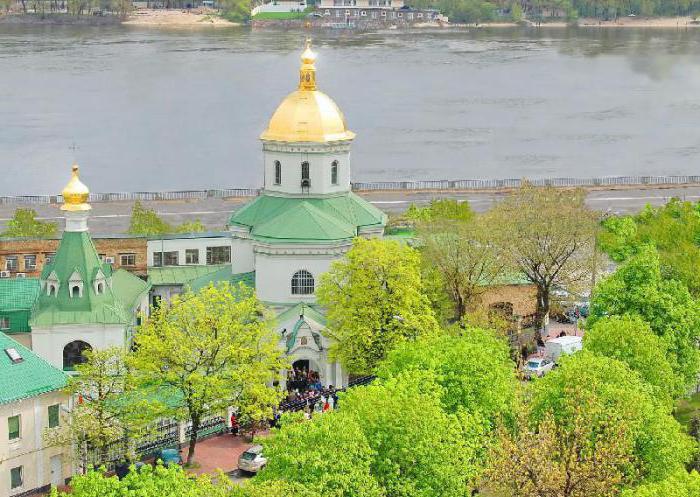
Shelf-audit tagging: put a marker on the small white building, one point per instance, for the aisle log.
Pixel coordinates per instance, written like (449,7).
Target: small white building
(83,303)
(31,402)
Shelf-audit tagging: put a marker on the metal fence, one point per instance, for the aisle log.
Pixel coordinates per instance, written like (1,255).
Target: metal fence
(463,184)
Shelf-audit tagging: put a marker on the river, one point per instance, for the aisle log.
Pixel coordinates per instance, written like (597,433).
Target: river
(148,109)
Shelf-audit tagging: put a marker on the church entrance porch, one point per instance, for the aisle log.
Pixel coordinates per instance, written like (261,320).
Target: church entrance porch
(304,376)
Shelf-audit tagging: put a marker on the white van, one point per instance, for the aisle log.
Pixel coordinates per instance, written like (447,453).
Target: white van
(557,347)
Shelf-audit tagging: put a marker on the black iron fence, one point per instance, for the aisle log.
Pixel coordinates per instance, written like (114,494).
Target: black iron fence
(301,404)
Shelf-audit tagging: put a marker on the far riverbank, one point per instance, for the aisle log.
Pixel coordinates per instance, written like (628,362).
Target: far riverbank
(202,17)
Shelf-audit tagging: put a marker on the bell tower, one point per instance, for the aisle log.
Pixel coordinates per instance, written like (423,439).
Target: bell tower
(306,145)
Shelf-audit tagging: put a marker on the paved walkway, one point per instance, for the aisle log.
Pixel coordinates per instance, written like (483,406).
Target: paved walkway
(219,452)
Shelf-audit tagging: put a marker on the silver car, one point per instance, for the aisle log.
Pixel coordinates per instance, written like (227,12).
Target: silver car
(252,460)
(538,367)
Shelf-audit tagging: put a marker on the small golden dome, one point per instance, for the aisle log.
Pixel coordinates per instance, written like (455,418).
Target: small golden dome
(307,115)
(75,194)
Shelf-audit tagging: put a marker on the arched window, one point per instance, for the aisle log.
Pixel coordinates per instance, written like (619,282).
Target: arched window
(52,289)
(100,289)
(278,173)
(302,283)
(75,291)
(334,173)
(305,174)
(73,354)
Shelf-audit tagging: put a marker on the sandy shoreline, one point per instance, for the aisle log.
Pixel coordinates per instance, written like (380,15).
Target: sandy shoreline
(177,18)
(622,22)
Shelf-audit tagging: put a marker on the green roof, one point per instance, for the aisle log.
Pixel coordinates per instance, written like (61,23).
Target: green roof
(310,310)
(180,275)
(278,219)
(32,376)
(115,305)
(18,294)
(223,274)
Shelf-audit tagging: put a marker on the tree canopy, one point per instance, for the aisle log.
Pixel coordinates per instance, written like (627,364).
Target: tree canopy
(461,256)
(679,484)
(674,229)
(629,339)
(637,287)
(148,481)
(328,455)
(611,393)
(474,370)
(212,350)
(374,300)
(547,235)
(419,449)
(145,221)
(25,224)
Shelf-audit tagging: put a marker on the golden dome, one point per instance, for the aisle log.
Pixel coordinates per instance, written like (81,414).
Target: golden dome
(307,115)
(75,194)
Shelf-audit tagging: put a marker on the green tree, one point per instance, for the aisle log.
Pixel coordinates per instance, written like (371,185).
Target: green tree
(548,235)
(474,370)
(98,418)
(419,449)
(258,487)
(374,300)
(612,393)
(462,256)
(630,339)
(328,455)
(236,10)
(552,459)
(441,210)
(25,224)
(674,229)
(146,221)
(148,481)
(680,484)
(214,349)
(637,287)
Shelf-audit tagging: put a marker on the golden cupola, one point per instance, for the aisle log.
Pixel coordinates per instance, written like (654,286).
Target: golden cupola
(307,115)
(75,194)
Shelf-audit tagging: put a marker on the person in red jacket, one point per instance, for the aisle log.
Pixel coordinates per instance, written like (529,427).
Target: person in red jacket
(234,425)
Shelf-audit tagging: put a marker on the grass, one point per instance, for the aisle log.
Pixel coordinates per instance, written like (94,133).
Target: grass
(262,16)
(686,409)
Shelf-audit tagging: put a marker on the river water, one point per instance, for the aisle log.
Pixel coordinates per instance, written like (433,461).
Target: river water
(147,109)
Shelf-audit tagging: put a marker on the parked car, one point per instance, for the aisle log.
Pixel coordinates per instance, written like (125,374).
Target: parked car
(537,367)
(168,457)
(252,460)
(556,347)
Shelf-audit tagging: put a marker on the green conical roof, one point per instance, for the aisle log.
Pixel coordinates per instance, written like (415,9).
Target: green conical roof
(76,257)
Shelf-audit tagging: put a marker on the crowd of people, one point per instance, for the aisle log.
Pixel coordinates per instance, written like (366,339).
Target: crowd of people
(302,380)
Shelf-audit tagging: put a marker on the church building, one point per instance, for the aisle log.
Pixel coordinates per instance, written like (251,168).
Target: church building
(304,219)
(82,302)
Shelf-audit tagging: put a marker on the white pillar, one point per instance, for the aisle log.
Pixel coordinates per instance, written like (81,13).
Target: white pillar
(339,376)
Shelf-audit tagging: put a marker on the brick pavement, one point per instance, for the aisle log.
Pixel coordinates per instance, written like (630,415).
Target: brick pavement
(219,452)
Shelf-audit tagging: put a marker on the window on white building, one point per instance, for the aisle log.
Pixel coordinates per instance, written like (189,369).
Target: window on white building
(305,174)
(191,256)
(171,258)
(4,323)
(157,259)
(218,255)
(302,283)
(16,477)
(13,427)
(54,415)
(278,173)
(334,173)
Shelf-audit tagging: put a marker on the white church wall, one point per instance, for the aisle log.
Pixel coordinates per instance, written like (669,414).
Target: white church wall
(273,276)
(48,343)
(319,172)
(242,255)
